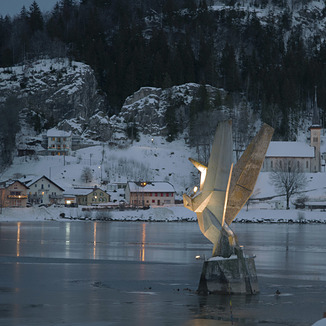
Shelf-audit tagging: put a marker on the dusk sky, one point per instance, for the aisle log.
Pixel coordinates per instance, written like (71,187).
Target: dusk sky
(13,7)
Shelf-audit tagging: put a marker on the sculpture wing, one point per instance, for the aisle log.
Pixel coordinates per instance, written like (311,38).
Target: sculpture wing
(246,171)
(220,159)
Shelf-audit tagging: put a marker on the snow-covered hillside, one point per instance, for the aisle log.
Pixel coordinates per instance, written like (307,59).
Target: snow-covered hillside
(152,158)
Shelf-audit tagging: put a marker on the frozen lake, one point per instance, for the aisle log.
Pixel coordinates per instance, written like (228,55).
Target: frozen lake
(133,273)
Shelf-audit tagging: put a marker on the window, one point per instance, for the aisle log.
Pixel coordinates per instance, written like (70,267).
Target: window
(35,185)
(48,185)
(315,139)
(162,194)
(307,164)
(150,194)
(15,193)
(53,138)
(167,194)
(271,164)
(156,194)
(153,201)
(42,186)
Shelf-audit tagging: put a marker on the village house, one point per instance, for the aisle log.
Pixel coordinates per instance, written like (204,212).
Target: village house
(86,196)
(42,190)
(59,142)
(145,194)
(13,193)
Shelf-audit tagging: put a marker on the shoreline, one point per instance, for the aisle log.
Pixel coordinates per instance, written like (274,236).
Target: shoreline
(156,214)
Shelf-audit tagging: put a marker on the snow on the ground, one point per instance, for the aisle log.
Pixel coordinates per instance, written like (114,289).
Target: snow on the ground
(176,213)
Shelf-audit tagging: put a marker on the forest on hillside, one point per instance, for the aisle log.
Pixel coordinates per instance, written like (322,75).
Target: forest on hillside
(130,44)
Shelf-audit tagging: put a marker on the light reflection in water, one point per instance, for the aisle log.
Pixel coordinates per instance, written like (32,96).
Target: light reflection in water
(68,233)
(94,247)
(18,240)
(143,239)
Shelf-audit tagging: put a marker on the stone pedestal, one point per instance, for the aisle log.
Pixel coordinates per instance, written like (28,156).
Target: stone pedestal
(236,274)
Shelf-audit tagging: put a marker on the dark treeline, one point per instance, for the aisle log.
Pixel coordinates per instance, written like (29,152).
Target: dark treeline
(131,44)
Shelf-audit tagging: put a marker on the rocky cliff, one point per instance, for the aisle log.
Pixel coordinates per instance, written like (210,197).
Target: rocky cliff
(56,88)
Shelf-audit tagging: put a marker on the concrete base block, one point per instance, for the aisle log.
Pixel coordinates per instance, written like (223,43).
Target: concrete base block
(236,274)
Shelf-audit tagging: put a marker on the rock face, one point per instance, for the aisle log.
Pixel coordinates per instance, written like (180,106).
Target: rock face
(147,107)
(65,93)
(57,88)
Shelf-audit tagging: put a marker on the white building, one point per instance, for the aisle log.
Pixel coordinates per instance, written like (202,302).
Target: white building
(306,157)
(42,190)
(281,153)
(150,193)
(59,142)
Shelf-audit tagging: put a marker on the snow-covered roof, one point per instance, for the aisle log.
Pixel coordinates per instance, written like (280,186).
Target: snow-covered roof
(8,183)
(54,132)
(289,149)
(81,191)
(29,183)
(155,186)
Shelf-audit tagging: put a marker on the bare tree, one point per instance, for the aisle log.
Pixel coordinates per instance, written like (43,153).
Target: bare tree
(87,174)
(288,179)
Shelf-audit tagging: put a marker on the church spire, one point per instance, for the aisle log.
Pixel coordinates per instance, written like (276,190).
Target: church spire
(315,113)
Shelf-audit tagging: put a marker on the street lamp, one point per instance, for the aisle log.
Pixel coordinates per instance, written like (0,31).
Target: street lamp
(100,167)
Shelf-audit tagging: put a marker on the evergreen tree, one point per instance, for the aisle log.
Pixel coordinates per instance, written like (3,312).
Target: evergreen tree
(35,17)
(9,126)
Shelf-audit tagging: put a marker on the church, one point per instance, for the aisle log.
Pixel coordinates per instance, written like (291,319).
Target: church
(302,156)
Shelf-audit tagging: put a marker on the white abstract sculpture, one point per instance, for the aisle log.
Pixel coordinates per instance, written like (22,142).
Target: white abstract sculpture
(223,189)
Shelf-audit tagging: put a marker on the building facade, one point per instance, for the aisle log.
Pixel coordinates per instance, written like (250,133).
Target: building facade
(59,142)
(13,193)
(42,190)
(145,194)
(291,154)
(87,196)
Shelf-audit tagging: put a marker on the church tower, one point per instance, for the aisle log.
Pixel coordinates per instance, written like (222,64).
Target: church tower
(315,130)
